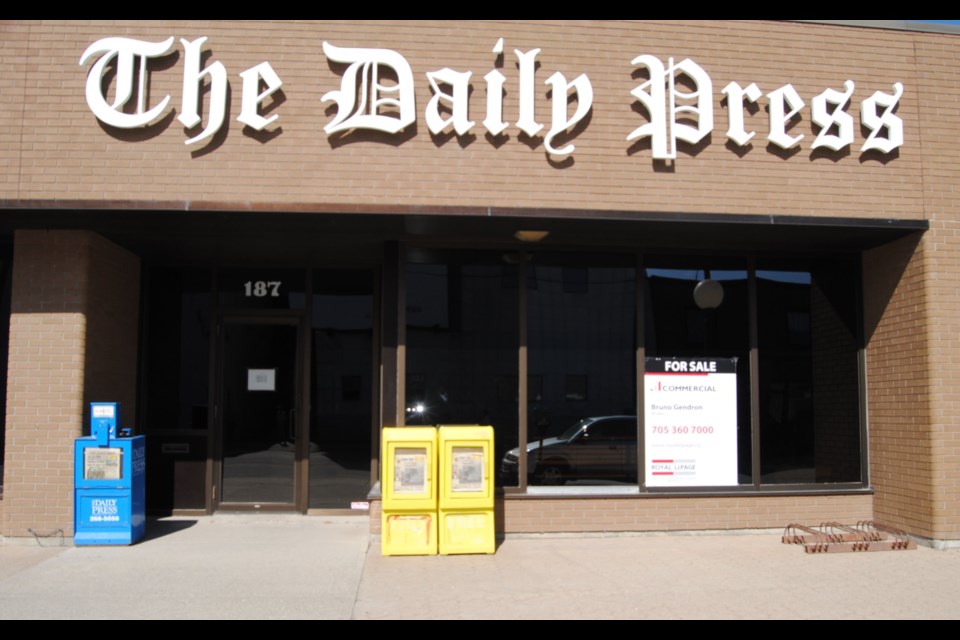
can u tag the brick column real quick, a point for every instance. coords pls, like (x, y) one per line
(73, 339)
(899, 373)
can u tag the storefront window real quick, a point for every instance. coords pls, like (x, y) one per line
(809, 399)
(175, 385)
(581, 323)
(807, 380)
(176, 381)
(784, 334)
(699, 309)
(341, 387)
(462, 328)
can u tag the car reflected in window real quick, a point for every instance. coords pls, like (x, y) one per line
(599, 450)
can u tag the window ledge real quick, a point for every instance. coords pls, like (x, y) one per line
(585, 491)
(608, 491)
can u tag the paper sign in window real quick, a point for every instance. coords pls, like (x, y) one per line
(261, 379)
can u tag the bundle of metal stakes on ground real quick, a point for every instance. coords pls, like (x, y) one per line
(833, 537)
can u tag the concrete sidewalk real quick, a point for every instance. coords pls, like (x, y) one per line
(288, 566)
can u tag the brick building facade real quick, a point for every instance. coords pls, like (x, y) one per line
(157, 260)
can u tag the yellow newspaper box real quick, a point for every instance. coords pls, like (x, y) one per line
(466, 489)
(408, 484)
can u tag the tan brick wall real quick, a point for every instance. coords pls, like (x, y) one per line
(51, 366)
(553, 515)
(898, 379)
(16, 60)
(67, 154)
(939, 87)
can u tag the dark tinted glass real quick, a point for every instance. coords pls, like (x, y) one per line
(809, 406)
(581, 326)
(174, 390)
(683, 322)
(462, 320)
(342, 387)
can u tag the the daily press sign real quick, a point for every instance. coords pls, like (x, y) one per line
(364, 101)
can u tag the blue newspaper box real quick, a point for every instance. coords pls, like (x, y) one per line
(109, 482)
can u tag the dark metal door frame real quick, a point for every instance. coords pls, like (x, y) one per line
(285, 318)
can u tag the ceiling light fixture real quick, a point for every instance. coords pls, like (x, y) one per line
(527, 235)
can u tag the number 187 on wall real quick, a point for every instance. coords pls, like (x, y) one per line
(261, 288)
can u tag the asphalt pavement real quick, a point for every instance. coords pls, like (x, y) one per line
(263, 566)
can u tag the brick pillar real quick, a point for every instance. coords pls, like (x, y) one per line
(73, 338)
(899, 373)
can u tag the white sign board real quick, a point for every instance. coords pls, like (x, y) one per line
(104, 411)
(261, 379)
(690, 422)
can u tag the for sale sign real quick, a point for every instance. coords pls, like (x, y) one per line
(690, 422)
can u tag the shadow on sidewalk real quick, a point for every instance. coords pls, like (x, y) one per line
(157, 528)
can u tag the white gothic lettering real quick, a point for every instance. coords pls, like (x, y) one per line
(377, 93)
(668, 108)
(127, 50)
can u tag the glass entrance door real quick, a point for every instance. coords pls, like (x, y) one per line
(260, 412)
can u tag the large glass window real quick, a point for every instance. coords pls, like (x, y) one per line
(700, 309)
(462, 326)
(581, 323)
(175, 385)
(788, 329)
(341, 388)
(807, 425)
(808, 348)
(176, 380)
